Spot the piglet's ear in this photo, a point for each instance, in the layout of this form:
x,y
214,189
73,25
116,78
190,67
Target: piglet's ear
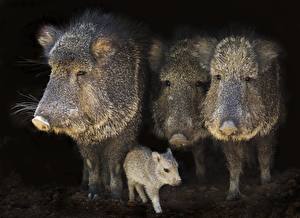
x,y
47,37
156,54
103,48
156,156
267,52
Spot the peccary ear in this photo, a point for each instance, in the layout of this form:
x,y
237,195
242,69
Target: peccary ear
x,y
267,52
169,152
102,47
204,48
156,156
47,37
156,54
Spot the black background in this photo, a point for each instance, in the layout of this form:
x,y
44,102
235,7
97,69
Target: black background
x,y
40,157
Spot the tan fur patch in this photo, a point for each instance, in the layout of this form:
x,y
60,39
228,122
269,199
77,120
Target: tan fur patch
x,y
102,46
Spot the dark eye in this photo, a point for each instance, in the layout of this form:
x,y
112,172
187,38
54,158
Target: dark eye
x,y
166,170
167,83
81,73
218,77
248,79
199,84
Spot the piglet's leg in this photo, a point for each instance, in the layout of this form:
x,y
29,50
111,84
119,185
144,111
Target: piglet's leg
x,y
131,191
139,188
153,194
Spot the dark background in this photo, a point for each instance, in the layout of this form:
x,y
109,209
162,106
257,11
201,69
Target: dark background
x,y
40,157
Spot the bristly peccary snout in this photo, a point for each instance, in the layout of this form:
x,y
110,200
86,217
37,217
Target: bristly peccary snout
x,y
243,99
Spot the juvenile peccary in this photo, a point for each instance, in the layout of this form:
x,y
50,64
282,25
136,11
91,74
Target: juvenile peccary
x,y
150,171
243,104
95,91
180,82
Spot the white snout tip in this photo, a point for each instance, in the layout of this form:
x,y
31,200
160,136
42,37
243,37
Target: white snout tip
x,y
41,123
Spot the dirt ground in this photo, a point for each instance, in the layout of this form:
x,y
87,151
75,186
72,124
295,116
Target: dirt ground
x,y
281,198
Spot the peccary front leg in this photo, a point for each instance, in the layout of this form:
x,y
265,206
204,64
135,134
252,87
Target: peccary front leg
x,y
234,154
116,184
91,159
265,155
94,179
85,177
199,161
153,194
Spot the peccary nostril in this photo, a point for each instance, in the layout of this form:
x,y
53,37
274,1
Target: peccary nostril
x,y
178,140
41,123
228,128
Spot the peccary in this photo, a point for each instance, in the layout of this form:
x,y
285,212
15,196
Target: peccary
x,y
243,104
150,170
180,83
96,89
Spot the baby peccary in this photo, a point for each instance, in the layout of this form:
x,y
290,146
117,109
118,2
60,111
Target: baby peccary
x,y
243,105
150,171
95,91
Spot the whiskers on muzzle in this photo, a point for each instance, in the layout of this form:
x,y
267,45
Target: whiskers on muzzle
x,y
24,110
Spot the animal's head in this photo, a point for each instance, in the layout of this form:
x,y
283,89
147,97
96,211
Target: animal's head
x,y
93,82
166,168
181,80
243,100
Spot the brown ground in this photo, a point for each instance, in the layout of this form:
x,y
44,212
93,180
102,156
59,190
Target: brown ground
x,y
281,198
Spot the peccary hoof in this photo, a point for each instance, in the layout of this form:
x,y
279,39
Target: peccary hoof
x,y
233,196
93,192
266,180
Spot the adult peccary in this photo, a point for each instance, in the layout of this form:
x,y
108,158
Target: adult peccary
x,y
150,171
243,104
180,82
96,89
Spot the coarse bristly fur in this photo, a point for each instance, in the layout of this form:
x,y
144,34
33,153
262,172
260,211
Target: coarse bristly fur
x,y
149,171
245,91
179,85
96,89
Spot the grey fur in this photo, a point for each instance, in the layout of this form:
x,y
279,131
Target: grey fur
x,y
96,89
176,107
150,171
245,97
